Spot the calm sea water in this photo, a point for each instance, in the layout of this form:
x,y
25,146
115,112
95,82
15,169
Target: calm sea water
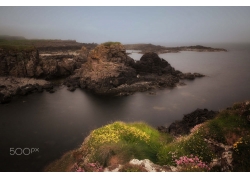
x,y
59,122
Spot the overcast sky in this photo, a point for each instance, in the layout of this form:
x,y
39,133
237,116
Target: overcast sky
x,y
186,25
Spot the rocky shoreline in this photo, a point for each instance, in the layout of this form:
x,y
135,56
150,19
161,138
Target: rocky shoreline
x,y
188,122
103,69
110,71
13,86
162,49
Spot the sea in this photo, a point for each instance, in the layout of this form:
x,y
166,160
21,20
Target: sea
x,y
39,128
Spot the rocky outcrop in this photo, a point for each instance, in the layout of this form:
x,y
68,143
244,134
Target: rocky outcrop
x,y
18,63
107,67
109,70
21,69
13,86
153,64
32,65
188,122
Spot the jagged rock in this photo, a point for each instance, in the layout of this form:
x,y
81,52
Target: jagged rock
x,y
188,122
224,162
51,90
24,90
151,63
190,76
106,68
18,63
13,86
71,88
109,71
31,64
5,98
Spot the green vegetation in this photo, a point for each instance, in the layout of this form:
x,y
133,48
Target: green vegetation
x,y
62,164
241,154
193,144
119,142
135,140
22,44
16,45
109,43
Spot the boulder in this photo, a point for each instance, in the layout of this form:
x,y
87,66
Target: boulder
x,y
5,98
151,63
188,122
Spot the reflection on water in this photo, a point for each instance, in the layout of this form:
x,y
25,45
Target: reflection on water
x,y
56,123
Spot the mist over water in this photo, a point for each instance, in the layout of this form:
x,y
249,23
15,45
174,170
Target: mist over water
x,y
59,122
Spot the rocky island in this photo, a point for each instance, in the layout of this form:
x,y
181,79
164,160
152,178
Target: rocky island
x,y
104,69
110,71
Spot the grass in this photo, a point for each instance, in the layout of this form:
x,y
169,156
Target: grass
x,y
30,44
65,163
16,45
193,144
109,43
131,140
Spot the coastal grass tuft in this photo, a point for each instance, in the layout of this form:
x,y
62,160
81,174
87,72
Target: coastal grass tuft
x,y
109,43
65,163
192,144
128,140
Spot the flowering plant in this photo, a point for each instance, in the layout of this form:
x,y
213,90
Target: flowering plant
x,y
191,163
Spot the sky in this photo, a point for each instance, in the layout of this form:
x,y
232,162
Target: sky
x,y
129,24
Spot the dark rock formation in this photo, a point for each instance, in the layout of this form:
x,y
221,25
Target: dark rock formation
x,y
32,65
109,70
107,67
151,63
188,122
13,86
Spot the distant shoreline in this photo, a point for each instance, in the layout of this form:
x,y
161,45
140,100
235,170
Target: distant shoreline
x,y
162,49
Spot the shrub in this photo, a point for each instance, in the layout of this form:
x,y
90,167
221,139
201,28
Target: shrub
x,y
191,164
168,153
241,154
193,143
131,140
196,145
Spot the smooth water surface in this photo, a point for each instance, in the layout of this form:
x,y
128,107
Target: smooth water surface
x,y
59,122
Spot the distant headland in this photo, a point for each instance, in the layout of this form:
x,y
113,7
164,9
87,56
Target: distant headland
x,y
162,49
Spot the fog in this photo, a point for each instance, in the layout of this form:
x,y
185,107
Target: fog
x,y
186,25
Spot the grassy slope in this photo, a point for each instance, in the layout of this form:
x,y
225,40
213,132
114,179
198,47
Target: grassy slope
x,y
119,142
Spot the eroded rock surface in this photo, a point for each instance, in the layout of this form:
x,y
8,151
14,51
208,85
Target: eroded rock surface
x,y
110,71
188,122
12,86
31,64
